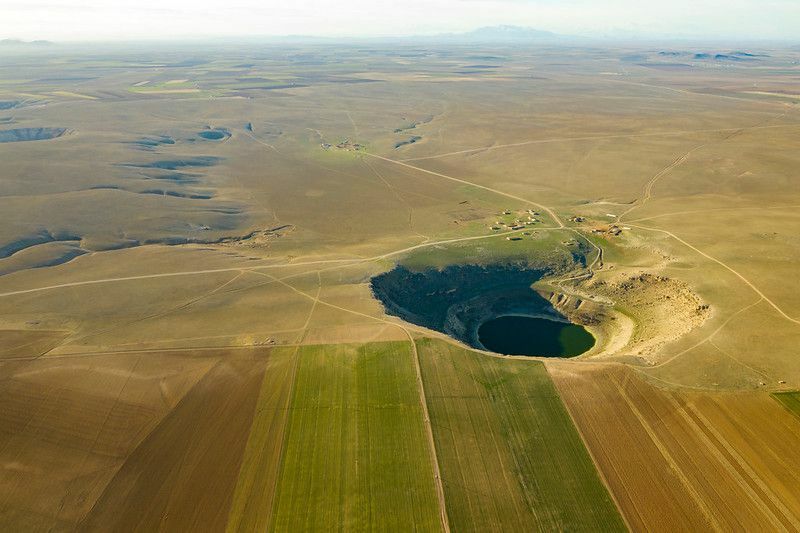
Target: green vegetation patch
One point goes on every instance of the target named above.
(356, 455)
(790, 400)
(536, 247)
(510, 457)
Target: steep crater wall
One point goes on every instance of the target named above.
(457, 299)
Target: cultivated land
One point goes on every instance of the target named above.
(188, 339)
(356, 451)
(687, 460)
(511, 458)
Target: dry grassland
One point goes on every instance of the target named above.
(24, 343)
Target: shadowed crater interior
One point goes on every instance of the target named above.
(490, 307)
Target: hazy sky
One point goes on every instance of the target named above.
(116, 19)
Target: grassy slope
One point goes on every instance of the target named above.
(510, 457)
(355, 452)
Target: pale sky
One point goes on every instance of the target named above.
(69, 20)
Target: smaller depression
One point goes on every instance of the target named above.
(525, 335)
(214, 135)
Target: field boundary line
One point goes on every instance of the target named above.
(423, 400)
(437, 474)
(588, 448)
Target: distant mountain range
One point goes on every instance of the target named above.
(508, 34)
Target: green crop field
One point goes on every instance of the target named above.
(790, 400)
(510, 456)
(355, 452)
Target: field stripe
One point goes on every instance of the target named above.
(510, 455)
(356, 456)
(429, 433)
(789, 400)
(704, 427)
(255, 489)
(690, 489)
(591, 453)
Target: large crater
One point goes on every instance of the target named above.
(489, 307)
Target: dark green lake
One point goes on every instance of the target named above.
(525, 335)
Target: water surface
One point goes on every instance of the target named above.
(525, 335)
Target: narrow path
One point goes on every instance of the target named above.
(75, 337)
(256, 268)
(694, 211)
(711, 335)
(429, 432)
(648, 188)
(549, 211)
(172, 274)
(399, 197)
(287, 406)
(726, 267)
(560, 224)
(590, 138)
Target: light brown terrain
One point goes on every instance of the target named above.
(167, 299)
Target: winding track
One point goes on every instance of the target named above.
(726, 267)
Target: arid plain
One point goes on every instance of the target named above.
(189, 338)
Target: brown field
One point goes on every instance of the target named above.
(82, 434)
(682, 460)
(183, 475)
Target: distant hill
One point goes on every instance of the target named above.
(20, 42)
